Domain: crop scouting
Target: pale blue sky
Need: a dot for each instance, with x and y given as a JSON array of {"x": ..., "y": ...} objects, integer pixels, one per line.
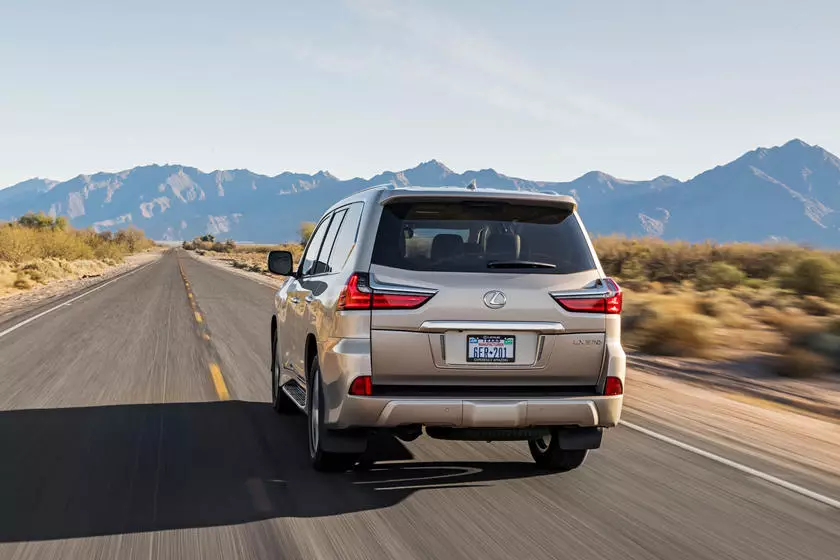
[{"x": 539, "y": 89}]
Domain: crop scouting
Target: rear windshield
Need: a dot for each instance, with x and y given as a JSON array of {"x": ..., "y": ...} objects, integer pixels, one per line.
[{"x": 481, "y": 236}]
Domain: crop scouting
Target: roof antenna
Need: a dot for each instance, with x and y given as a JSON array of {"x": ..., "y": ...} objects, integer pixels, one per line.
[{"x": 471, "y": 186}]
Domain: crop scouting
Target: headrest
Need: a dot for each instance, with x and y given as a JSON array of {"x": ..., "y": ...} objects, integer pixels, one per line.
[
  {"x": 505, "y": 245},
  {"x": 446, "y": 245}
]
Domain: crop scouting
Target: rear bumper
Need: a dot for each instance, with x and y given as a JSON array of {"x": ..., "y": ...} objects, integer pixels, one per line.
[{"x": 391, "y": 412}]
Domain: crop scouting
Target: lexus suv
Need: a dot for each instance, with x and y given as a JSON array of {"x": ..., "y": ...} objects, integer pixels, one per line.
[{"x": 464, "y": 313}]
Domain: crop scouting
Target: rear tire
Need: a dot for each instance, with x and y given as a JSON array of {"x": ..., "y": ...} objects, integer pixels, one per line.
[
  {"x": 548, "y": 455},
  {"x": 280, "y": 401},
  {"x": 322, "y": 460}
]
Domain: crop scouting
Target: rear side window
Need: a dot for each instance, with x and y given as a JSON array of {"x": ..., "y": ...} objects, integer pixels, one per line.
[
  {"x": 346, "y": 238},
  {"x": 321, "y": 266},
  {"x": 481, "y": 236},
  {"x": 311, "y": 256}
]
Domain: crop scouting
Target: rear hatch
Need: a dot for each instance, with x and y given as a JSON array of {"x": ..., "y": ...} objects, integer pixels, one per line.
[{"x": 484, "y": 270}]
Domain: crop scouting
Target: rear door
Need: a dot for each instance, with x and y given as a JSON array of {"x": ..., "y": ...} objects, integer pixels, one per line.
[
  {"x": 492, "y": 266},
  {"x": 299, "y": 296}
]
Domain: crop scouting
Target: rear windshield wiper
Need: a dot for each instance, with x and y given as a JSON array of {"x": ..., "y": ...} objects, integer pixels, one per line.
[{"x": 519, "y": 264}]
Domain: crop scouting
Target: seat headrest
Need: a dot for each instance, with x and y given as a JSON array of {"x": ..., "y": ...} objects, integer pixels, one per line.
[
  {"x": 446, "y": 245},
  {"x": 503, "y": 245}
]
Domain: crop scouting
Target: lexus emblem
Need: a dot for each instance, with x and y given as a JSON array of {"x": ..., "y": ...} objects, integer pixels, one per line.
[{"x": 495, "y": 299}]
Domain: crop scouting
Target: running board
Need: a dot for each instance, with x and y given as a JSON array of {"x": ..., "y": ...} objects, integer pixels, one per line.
[{"x": 296, "y": 393}]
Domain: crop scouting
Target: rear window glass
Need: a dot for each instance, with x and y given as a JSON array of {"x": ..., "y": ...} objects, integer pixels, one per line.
[{"x": 481, "y": 236}]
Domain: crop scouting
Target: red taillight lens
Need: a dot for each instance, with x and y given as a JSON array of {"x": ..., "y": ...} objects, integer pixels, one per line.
[
  {"x": 361, "y": 386},
  {"x": 613, "y": 387},
  {"x": 358, "y": 295},
  {"x": 610, "y": 305},
  {"x": 355, "y": 295}
]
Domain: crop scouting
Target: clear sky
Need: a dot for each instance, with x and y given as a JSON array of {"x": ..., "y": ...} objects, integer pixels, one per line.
[{"x": 544, "y": 89}]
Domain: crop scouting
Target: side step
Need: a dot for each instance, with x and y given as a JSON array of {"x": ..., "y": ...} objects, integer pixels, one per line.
[{"x": 296, "y": 393}]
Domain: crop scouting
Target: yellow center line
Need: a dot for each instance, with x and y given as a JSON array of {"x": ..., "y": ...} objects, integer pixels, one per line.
[
  {"x": 219, "y": 382},
  {"x": 198, "y": 317}
]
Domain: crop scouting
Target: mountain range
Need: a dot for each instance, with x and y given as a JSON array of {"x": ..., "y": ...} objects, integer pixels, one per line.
[{"x": 785, "y": 193}]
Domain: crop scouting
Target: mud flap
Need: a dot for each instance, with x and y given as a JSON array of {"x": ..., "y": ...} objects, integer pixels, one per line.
[
  {"x": 344, "y": 441},
  {"x": 578, "y": 438}
]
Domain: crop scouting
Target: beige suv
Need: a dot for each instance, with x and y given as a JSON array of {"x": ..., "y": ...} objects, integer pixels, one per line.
[{"x": 470, "y": 314}]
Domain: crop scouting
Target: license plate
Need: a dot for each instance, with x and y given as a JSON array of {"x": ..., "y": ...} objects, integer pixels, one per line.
[{"x": 490, "y": 348}]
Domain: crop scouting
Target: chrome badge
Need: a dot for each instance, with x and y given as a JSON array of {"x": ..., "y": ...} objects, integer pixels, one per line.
[{"x": 495, "y": 299}]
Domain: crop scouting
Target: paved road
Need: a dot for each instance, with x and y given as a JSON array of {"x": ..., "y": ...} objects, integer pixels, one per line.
[{"x": 114, "y": 443}]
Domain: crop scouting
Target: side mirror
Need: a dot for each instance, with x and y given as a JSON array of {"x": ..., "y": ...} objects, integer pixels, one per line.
[{"x": 280, "y": 262}]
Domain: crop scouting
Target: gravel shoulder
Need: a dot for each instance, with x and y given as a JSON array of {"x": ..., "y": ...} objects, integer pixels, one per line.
[
  {"x": 227, "y": 264},
  {"x": 736, "y": 424}
]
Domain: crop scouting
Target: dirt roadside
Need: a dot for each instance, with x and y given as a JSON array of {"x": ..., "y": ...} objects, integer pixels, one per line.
[
  {"x": 804, "y": 443},
  {"x": 10, "y": 305}
]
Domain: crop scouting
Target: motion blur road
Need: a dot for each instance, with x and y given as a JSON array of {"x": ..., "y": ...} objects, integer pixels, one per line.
[{"x": 115, "y": 443}]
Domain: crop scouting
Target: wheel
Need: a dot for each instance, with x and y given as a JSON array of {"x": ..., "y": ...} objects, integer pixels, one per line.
[
  {"x": 322, "y": 460},
  {"x": 281, "y": 402},
  {"x": 548, "y": 455}
]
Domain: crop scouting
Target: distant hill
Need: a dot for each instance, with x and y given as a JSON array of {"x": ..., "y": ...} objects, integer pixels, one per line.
[{"x": 789, "y": 192}]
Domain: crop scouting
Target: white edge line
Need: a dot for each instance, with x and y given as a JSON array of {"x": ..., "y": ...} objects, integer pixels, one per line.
[
  {"x": 737, "y": 466},
  {"x": 69, "y": 301}
]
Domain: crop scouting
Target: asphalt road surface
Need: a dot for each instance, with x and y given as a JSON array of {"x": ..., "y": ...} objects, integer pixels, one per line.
[{"x": 134, "y": 425}]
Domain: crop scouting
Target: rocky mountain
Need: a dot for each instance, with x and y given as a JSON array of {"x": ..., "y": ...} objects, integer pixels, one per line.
[{"x": 789, "y": 192}]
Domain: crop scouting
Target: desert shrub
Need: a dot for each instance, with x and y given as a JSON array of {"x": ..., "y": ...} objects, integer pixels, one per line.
[
  {"x": 41, "y": 221},
  {"x": 817, "y": 306},
  {"x": 815, "y": 275},
  {"x": 688, "y": 335},
  {"x": 668, "y": 325},
  {"x": 41, "y": 237},
  {"x": 755, "y": 283},
  {"x": 653, "y": 259},
  {"x": 719, "y": 275},
  {"x": 798, "y": 362},
  {"x": 729, "y": 311},
  {"x": 305, "y": 231}
]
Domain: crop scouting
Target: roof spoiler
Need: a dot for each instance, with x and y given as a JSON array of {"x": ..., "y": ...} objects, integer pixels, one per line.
[{"x": 516, "y": 197}]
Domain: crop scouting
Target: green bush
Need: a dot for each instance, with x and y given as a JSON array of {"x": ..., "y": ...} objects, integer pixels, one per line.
[
  {"x": 815, "y": 275},
  {"x": 719, "y": 275}
]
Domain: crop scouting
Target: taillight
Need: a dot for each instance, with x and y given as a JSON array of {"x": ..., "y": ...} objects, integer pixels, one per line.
[
  {"x": 609, "y": 304},
  {"x": 613, "y": 387},
  {"x": 357, "y": 294},
  {"x": 361, "y": 386}
]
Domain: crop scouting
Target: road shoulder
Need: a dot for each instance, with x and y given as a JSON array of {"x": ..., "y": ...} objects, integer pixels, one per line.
[{"x": 18, "y": 304}]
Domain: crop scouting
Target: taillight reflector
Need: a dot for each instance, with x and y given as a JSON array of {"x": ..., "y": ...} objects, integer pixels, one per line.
[
  {"x": 610, "y": 305},
  {"x": 361, "y": 386},
  {"x": 398, "y": 301},
  {"x": 613, "y": 387},
  {"x": 358, "y": 295}
]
